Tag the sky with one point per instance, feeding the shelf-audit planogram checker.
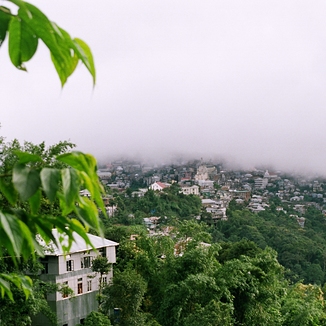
(239, 80)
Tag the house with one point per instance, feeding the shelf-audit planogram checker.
(74, 271)
(159, 186)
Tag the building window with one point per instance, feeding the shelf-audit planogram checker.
(86, 262)
(102, 251)
(65, 289)
(70, 265)
(104, 280)
(82, 321)
(80, 286)
(45, 269)
(89, 285)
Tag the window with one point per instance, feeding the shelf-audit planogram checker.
(45, 269)
(89, 285)
(64, 289)
(102, 251)
(86, 262)
(70, 265)
(80, 286)
(104, 280)
(82, 321)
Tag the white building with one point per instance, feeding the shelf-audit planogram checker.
(74, 270)
(202, 173)
(190, 190)
(261, 183)
(159, 186)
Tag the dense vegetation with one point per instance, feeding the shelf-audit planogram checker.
(258, 269)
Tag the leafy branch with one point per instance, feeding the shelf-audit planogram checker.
(29, 26)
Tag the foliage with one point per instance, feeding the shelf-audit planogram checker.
(126, 293)
(26, 185)
(21, 310)
(300, 250)
(102, 266)
(304, 306)
(96, 318)
(169, 204)
(30, 25)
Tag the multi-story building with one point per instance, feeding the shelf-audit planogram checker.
(74, 271)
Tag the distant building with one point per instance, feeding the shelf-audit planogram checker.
(190, 190)
(261, 183)
(202, 173)
(159, 186)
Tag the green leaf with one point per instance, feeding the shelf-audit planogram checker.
(88, 212)
(25, 157)
(8, 191)
(81, 51)
(30, 246)
(64, 41)
(75, 159)
(85, 55)
(35, 201)
(22, 42)
(9, 227)
(70, 185)
(48, 33)
(25, 180)
(5, 287)
(5, 16)
(22, 282)
(50, 182)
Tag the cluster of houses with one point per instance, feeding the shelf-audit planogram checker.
(217, 186)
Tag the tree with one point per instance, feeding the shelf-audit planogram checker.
(126, 293)
(29, 26)
(96, 318)
(21, 310)
(101, 265)
(23, 185)
(304, 305)
(22, 220)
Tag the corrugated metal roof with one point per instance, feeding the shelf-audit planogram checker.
(78, 245)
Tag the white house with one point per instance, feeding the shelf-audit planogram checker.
(74, 270)
(190, 190)
(159, 186)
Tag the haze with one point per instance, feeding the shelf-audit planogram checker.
(243, 80)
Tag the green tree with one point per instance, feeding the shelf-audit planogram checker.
(22, 220)
(102, 266)
(304, 306)
(126, 293)
(21, 310)
(96, 318)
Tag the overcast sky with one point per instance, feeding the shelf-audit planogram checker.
(245, 80)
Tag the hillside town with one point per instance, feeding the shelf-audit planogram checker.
(217, 186)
